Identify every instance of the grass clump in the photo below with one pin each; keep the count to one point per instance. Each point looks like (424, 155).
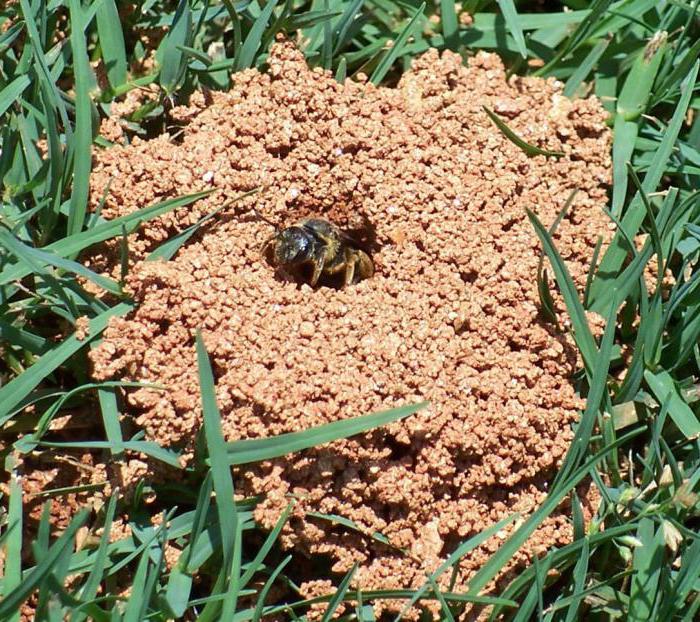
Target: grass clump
(638, 438)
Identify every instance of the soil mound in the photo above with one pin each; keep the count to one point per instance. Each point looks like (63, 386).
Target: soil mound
(451, 315)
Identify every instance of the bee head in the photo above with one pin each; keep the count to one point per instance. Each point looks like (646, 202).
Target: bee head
(293, 246)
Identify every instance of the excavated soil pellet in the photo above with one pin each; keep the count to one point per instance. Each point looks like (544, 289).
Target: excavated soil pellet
(451, 315)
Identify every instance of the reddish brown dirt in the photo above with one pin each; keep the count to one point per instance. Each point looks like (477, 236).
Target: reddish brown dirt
(451, 315)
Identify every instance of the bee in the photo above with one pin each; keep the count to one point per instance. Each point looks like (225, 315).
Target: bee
(315, 248)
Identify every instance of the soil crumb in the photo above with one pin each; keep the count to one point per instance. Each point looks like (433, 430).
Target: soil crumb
(451, 315)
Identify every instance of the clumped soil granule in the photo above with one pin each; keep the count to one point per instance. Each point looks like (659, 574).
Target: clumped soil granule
(451, 315)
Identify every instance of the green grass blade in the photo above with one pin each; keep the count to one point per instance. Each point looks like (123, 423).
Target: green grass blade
(266, 547)
(346, 20)
(235, 20)
(397, 48)
(194, 53)
(198, 520)
(691, 613)
(48, 217)
(169, 248)
(73, 244)
(179, 587)
(154, 574)
(637, 88)
(82, 152)
(12, 92)
(339, 594)
(579, 575)
(111, 42)
(630, 105)
(444, 606)
(528, 604)
(581, 73)
(679, 72)
(110, 419)
(309, 19)
(685, 582)
(234, 576)
(546, 298)
(327, 45)
(178, 590)
(598, 388)
(12, 600)
(43, 536)
(336, 519)
(634, 215)
(587, 21)
(258, 611)
(145, 543)
(647, 565)
(254, 450)
(60, 292)
(683, 341)
(24, 339)
(653, 230)
(582, 332)
(341, 73)
(89, 590)
(514, 26)
(136, 603)
(663, 388)
(591, 272)
(10, 35)
(450, 25)
(13, 549)
(150, 448)
(250, 46)
(624, 137)
(40, 259)
(220, 469)
(18, 388)
(529, 149)
(577, 516)
(28, 442)
(37, 50)
(172, 59)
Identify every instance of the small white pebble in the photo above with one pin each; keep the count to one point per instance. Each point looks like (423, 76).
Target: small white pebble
(208, 176)
(338, 151)
(294, 193)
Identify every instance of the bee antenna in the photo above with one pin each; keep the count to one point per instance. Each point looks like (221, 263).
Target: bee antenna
(259, 216)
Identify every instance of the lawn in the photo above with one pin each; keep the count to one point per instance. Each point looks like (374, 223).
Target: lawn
(65, 63)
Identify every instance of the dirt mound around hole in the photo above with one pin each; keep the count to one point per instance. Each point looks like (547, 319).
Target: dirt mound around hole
(451, 315)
